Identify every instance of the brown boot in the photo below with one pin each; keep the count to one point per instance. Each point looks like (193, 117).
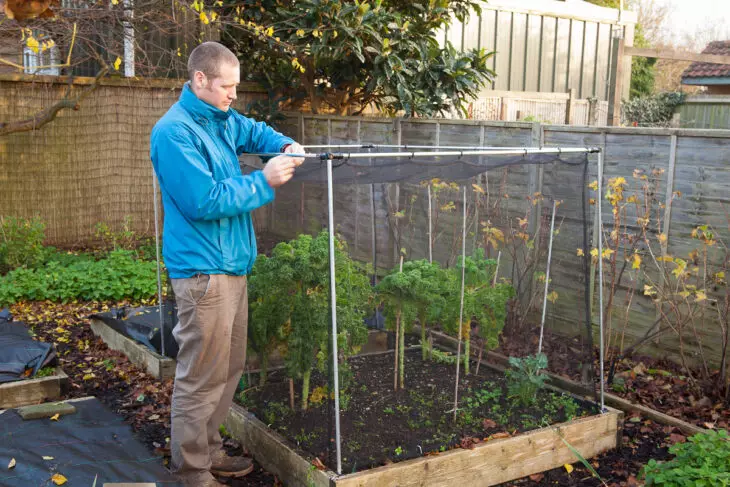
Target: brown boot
(230, 467)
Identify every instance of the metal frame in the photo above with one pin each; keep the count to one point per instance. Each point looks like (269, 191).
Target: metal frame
(453, 151)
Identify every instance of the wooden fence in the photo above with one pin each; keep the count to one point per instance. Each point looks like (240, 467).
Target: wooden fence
(705, 112)
(550, 108)
(690, 163)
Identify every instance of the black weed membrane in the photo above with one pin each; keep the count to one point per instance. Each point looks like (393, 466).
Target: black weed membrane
(21, 357)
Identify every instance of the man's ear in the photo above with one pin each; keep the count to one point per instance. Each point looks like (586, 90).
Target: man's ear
(201, 81)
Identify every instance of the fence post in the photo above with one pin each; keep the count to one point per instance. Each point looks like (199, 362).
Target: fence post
(667, 220)
(593, 111)
(616, 81)
(534, 185)
(570, 107)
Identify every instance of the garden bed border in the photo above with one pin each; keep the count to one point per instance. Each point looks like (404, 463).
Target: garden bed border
(157, 365)
(33, 391)
(488, 463)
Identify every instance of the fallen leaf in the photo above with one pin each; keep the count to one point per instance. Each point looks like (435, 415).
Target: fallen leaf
(153, 417)
(318, 464)
(488, 423)
(710, 426)
(677, 438)
(11, 464)
(568, 467)
(89, 376)
(58, 479)
(47, 458)
(536, 477)
(55, 417)
(497, 436)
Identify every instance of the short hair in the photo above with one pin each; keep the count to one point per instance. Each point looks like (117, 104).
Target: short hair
(208, 57)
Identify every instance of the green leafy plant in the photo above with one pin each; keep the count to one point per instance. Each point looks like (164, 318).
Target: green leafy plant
(483, 303)
(526, 377)
(404, 292)
(340, 56)
(432, 301)
(116, 277)
(304, 289)
(651, 110)
(704, 460)
(21, 242)
(271, 300)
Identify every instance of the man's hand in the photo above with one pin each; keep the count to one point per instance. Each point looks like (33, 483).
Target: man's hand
(280, 169)
(295, 149)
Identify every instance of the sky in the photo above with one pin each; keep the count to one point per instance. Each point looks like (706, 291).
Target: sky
(689, 17)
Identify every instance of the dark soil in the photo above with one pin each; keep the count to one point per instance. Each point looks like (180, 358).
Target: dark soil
(657, 383)
(380, 426)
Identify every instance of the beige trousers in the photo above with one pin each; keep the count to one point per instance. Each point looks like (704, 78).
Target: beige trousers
(211, 335)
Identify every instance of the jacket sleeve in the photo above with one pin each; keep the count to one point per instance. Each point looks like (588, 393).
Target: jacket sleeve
(252, 136)
(184, 174)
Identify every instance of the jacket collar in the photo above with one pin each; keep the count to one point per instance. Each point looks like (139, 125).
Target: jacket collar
(200, 110)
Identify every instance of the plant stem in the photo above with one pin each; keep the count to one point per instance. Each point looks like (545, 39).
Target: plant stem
(467, 347)
(291, 394)
(401, 346)
(424, 346)
(397, 348)
(305, 388)
(264, 367)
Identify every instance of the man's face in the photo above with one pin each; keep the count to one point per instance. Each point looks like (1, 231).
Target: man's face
(221, 91)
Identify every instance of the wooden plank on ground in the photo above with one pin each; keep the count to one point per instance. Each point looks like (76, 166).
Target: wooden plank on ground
(156, 364)
(47, 410)
(32, 391)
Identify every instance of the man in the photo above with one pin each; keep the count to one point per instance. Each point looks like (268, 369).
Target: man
(209, 248)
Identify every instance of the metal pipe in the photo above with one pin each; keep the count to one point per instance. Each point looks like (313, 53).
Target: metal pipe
(453, 153)
(157, 250)
(333, 306)
(600, 272)
(547, 277)
(461, 306)
(430, 226)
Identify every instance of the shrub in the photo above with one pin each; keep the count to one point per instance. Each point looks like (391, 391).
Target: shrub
(21, 242)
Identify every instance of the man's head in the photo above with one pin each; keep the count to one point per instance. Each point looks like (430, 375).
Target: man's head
(214, 74)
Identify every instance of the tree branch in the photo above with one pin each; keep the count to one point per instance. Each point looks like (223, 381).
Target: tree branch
(49, 114)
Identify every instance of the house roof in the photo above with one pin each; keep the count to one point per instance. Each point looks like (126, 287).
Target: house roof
(708, 70)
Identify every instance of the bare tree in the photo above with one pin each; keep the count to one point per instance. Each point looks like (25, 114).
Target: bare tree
(131, 38)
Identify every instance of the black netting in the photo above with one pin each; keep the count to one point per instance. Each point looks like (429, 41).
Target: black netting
(352, 168)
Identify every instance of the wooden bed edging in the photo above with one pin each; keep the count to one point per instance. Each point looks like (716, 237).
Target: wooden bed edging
(489, 463)
(33, 391)
(157, 365)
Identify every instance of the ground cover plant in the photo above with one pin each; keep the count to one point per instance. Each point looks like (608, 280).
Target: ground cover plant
(123, 267)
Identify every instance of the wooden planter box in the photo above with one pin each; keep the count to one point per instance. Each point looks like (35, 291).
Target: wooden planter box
(489, 463)
(33, 391)
(156, 365)
(164, 367)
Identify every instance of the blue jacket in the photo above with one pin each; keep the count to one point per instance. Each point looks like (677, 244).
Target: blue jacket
(207, 201)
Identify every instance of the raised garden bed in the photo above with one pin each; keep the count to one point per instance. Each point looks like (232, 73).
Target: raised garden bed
(33, 391)
(157, 365)
(410, 438)
(163, 367)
